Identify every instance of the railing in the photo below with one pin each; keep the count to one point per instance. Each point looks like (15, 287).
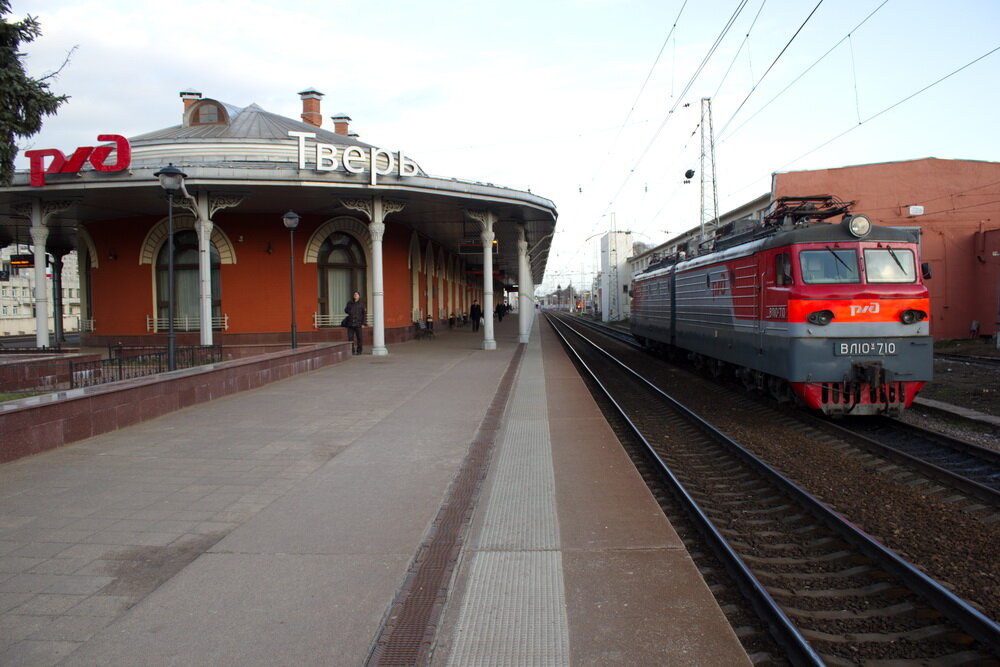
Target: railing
(185, 323)
(88, 325)
(126, 362)
(35, 350)
(321, 321)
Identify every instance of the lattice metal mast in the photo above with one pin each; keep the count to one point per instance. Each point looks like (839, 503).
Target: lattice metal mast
(709, 193)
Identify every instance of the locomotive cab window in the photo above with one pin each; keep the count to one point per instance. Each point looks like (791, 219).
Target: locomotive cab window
(890, 265)
(828, 266)
(782, 269)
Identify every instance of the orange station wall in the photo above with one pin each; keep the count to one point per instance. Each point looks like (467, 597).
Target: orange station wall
(961, 201)
(255, 289)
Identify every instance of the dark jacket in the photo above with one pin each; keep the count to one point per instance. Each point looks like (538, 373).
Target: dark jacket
(475, 311)
(355, 313)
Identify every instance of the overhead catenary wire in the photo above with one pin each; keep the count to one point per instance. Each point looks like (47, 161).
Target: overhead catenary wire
(770, 67)
(694, 77)
(724, 137)
(890, 107)
(642, 88)
(736, 55)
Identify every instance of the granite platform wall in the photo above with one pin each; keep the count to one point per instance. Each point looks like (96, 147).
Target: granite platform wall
(40, 423)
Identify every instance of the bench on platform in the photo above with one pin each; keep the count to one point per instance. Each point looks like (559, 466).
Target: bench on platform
(424, 329)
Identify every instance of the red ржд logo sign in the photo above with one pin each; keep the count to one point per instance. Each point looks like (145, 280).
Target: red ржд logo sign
(97, 155)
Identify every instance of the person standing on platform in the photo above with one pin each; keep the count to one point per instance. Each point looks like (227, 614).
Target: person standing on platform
(500, 310)
(356, 314)
(475, 314)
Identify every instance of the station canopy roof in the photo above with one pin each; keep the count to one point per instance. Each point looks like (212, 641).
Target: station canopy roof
(249, 152)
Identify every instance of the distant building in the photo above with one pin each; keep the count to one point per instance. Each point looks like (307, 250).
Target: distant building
(17, 295)
(615, 276)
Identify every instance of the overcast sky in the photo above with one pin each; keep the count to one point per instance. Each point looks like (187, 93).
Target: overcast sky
(584, 102)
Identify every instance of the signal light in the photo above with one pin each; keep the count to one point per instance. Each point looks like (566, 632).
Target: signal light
(911, 316)
(820, 317)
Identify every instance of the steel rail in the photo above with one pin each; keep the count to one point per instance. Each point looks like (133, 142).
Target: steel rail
(962, 613)
(933, 471)
(786, 634)
(969, 359)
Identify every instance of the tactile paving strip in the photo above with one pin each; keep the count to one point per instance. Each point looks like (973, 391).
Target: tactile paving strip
(407, 634)
(514, 609)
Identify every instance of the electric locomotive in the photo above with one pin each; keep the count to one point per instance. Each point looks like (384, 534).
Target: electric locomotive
(831, 315)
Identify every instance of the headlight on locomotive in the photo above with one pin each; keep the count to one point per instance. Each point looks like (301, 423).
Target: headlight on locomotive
(820, 317)
(858, 225)
(911, 316)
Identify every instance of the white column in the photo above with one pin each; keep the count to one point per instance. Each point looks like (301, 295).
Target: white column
(377, 230)
(204, 228)
(487, 220)
(203, 206)
(525, 289)
(39, 236)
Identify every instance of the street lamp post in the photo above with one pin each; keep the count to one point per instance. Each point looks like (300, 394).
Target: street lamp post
(291, 220)
(172, 180)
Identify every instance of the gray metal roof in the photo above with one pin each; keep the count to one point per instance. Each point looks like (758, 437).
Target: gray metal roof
(250, 122)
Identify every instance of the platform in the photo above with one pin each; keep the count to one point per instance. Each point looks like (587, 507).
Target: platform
(276, 526)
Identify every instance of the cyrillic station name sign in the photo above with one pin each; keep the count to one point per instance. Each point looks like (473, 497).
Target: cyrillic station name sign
(62, 165)
(353, 159)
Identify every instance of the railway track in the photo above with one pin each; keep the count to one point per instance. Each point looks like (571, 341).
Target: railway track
(960, 465)
(829, 593)
(990, 362)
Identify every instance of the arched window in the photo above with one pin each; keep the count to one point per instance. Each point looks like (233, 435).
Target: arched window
(186, 281)
(342, 271)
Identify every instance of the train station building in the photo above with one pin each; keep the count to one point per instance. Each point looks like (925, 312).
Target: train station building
(419, 248)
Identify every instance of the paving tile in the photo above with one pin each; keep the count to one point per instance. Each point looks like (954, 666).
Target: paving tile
(71, 628)
(40, 550)
(10, 601)
(17, 564)
(90, 551)
(29, 583)
(78, 584)
(101, 605)
(15, 627)
(60, 565)
(49, 604)
(38, 653)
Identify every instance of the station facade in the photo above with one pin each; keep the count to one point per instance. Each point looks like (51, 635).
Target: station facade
(417, 247)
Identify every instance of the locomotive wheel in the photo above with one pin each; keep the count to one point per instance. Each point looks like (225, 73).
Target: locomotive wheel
(716, 367)
(746, 377)
(779, 389)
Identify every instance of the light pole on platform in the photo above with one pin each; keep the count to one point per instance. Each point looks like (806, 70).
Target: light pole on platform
(291, 220)
(172, 180)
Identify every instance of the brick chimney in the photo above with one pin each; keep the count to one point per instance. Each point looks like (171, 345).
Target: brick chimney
(310, 106)
(340, 122)
(189, 96)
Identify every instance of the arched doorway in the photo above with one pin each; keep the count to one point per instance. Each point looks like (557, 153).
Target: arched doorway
(342, 271)
(187, 314)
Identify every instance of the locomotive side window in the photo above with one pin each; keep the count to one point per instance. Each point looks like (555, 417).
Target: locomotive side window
(783, 269)
(890, 265)
(820, 267)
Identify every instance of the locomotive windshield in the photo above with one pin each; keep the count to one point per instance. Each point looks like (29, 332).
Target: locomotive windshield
(821, 267)
(890, 265)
